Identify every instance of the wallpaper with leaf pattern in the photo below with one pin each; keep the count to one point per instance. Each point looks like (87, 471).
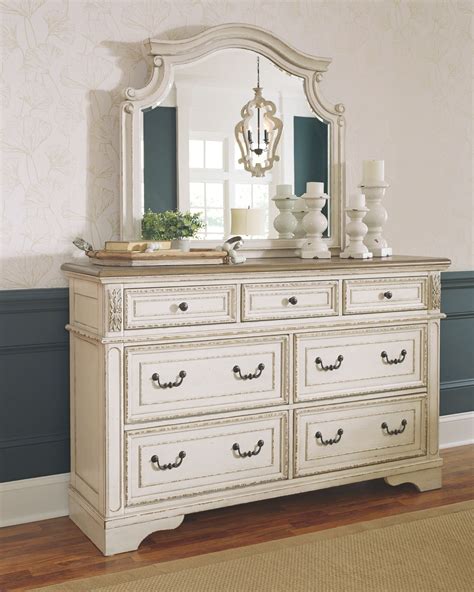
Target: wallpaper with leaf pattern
(402, 68)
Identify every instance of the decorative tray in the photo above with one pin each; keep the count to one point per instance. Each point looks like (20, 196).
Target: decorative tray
(162, 257)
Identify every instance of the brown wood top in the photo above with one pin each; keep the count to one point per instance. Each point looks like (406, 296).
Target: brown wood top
(265, 265)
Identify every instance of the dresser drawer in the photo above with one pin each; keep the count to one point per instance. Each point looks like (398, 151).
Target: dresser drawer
(205, 377)
(385, 295)
(342, 437)
(355, 362)
(192, 459)
(146, 308)
(289, 300)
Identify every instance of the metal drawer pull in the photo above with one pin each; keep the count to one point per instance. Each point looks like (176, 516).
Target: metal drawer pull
(175, 465)
(178, 382)
(254, 452)
(384, 426)
(331, 441)
(183, 306)
(388, 295)
(293, 300)
(399, 360)
(256, 374)
(337, 364)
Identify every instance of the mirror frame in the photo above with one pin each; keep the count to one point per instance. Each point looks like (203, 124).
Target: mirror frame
(166, 54)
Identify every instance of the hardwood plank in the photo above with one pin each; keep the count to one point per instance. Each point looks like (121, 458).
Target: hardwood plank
(55, 551)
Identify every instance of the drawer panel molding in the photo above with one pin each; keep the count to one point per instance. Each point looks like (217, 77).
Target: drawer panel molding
(180, 461)
(192, 378)
(359, 434)
(385, 295)
(362, 361)
(289, 300)
(147, 308)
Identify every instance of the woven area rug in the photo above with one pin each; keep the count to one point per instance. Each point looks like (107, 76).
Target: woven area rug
(422, 551)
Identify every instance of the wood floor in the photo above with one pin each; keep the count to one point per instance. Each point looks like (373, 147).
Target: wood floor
(53, 551)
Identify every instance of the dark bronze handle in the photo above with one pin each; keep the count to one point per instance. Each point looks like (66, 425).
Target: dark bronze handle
(384, 426)
(399, 360)
(178, 382)
(256, 374)
(183, 306)
(337, 364)
(388, 295)
(331, 441)
(175, 465)
(254, 452)
(293, 300)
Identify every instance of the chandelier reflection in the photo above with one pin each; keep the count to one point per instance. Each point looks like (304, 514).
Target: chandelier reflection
(258, 133)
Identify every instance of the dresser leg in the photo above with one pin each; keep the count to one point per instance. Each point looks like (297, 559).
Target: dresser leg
(128, 538)
(423, 480)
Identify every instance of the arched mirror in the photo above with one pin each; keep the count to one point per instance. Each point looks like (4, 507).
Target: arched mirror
(227, 116)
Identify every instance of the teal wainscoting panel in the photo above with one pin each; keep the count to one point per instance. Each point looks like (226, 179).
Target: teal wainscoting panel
(34, 391)
(457, 342)
(160, 165)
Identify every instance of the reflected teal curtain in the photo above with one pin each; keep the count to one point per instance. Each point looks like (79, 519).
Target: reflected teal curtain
(160, 159)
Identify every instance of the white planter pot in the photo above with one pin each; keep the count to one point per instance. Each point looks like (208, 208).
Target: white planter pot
(183, 244)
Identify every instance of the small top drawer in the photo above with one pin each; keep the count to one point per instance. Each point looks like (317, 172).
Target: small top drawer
(289, 300)
(146, 308)
(384, 295)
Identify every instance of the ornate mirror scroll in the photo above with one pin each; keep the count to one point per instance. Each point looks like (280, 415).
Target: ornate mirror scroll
(171, 130)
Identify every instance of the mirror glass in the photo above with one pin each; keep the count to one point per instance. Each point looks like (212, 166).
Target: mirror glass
(190, 152)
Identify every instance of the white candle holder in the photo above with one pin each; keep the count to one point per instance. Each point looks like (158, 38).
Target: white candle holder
(284, 223)
(299, 212)
(376, 218)
(314, 224)
(356, 230)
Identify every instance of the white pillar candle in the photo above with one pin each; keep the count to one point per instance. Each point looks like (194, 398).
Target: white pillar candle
(357, 201)
(247, 221)
(284, 190)
(373, 171)
(314, 188)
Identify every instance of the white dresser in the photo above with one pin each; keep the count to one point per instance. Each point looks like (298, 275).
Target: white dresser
(197, 387)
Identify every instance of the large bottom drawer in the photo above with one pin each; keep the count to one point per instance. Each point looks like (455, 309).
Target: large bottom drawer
(191, 459)
(346, 436)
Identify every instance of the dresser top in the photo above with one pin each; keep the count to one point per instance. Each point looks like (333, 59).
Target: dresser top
(266, 265)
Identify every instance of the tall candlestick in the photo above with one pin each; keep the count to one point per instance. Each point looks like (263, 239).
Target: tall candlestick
(315, 223)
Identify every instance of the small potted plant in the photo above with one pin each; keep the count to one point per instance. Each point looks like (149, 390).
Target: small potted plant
(172, 225)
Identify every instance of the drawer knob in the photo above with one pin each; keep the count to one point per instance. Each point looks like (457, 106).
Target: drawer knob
(331, 441)
(254, 452)
(388, 295)
(183, 306)
(178, 382)
(399, 360)
(256, 374)
(397, 431)
(175, 465)
(293, 300)
(337, 364)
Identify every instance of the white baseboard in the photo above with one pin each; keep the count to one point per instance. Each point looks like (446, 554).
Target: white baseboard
(47, 497)
(456, 430)
(34, 499)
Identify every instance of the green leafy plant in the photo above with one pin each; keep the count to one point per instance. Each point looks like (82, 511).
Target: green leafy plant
(170, 225)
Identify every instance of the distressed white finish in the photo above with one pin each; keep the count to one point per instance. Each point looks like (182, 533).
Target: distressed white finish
(121, 417)
(166, 54)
